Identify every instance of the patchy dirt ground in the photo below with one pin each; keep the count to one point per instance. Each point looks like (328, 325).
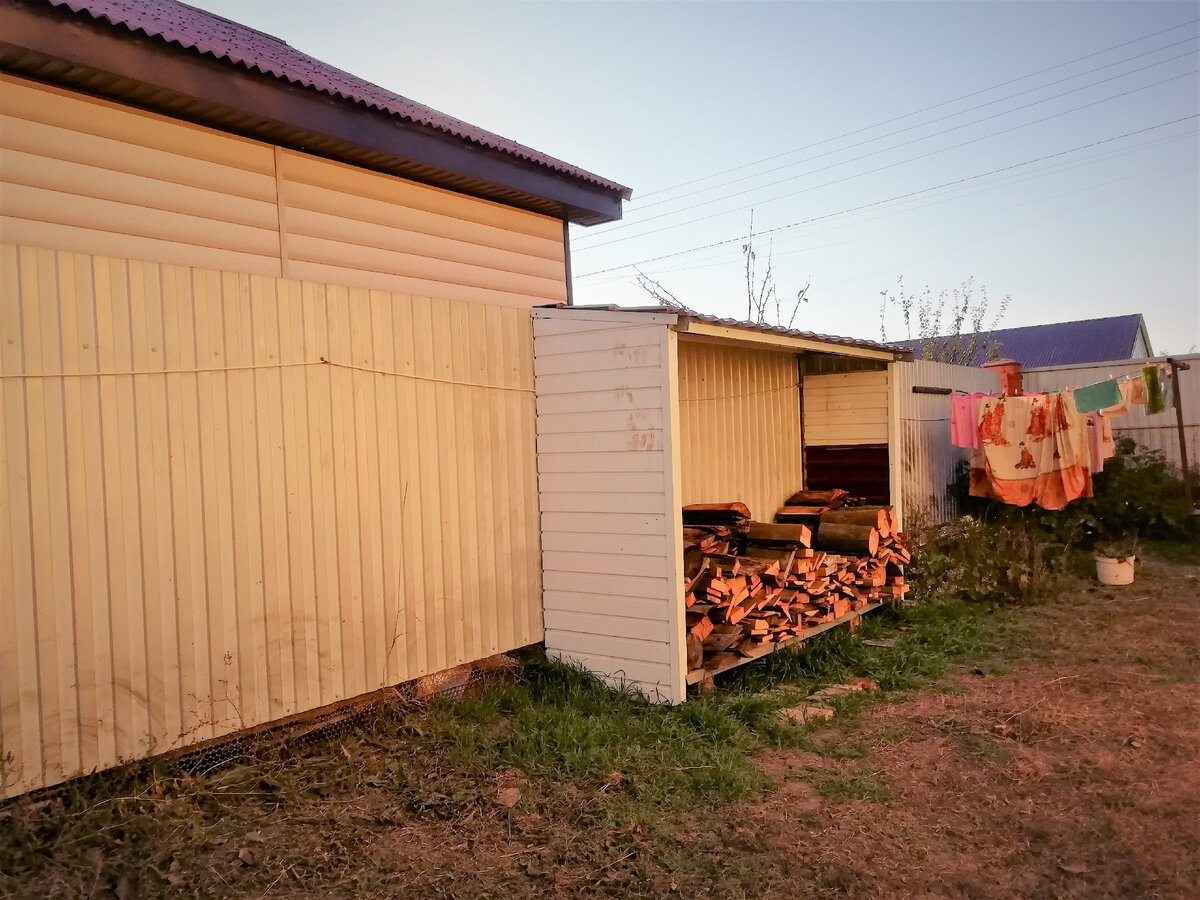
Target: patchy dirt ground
(1065, 765)
(1066, 768)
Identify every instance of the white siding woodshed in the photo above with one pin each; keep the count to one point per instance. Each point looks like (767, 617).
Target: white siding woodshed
(607, 420)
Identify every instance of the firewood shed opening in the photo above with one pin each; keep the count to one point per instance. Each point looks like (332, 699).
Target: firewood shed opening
(641, 412)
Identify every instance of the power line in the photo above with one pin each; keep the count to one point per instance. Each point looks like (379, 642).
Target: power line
(891, 165)
(917, 193)
(728, 254)
(640, 207)
(993, 234)
(909, 115)
(903, 231)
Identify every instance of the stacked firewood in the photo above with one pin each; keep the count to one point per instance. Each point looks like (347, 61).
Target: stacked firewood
(749, 585)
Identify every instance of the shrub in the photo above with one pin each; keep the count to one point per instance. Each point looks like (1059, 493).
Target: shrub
(1003, 560)
(1136, 496)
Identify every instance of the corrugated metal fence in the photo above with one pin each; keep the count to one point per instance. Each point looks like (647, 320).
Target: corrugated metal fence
(1158, 432)
(924, 453)
(228, 498)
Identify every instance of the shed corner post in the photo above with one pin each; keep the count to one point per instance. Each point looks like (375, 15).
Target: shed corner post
(677, 648)
(895, 462)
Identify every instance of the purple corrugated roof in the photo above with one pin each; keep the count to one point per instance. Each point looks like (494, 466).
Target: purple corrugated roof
(748, 326)
(212, 35)
(1060, 343)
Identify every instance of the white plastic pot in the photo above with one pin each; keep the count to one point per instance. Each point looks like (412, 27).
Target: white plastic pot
(1115, 571)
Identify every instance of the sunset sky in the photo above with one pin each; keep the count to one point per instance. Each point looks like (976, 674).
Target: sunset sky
(1049, 151)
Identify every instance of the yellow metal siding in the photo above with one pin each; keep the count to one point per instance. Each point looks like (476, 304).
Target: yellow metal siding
(739, 412)
(846, 408)
(206, 527)
(86, 175)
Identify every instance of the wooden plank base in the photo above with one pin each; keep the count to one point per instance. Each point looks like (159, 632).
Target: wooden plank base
(850, 618)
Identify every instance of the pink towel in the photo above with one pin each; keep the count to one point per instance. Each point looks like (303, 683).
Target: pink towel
(964, 429)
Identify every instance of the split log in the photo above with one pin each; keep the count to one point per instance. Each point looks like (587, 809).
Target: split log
(853, 539)
(784, 533)
(873, 518)
(729, 514)
(801, 514)
(832, 498)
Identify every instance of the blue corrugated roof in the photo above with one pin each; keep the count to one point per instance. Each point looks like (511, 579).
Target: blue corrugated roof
(1059, 343)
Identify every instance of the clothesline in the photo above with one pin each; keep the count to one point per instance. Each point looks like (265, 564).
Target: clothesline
(1044, 446)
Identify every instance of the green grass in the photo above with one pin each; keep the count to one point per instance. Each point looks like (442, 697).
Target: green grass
(579, 752)
(559, 725)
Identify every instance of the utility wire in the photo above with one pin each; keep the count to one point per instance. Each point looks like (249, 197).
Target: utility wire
(892, 165)
(729, 254)
(975, 215)
(925, 109)
(1172, 174)
(638, 208)
(876, 203)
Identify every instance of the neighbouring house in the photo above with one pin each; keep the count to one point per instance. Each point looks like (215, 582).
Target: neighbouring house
(266, 379)
(1059, 343)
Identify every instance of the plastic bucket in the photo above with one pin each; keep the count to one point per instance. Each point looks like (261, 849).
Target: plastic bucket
(1115, 571)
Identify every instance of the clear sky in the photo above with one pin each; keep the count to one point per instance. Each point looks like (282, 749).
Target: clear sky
(823, 114)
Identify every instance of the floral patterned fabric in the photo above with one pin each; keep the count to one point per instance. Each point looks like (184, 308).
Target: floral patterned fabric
(1032, 449)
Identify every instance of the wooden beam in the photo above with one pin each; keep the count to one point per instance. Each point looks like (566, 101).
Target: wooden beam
(751, 337)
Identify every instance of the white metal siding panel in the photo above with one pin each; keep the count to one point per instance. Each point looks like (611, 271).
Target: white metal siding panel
(846, 408)
(205, 527)
(739, 411)
(610, 517)
(926, 458)
(1157, 432)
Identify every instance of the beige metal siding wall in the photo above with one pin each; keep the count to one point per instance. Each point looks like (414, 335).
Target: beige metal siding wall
(1158, 432)
(611, 528)
(205, 526)
(739, 411)
(847, 408)
(922, 449)
(86, 175)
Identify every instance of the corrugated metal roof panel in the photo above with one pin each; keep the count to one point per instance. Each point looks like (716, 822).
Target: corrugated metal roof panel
(212, 35)
(752, 326)
(1059, 343)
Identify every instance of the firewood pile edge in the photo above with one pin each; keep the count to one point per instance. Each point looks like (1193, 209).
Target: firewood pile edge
(749, 586)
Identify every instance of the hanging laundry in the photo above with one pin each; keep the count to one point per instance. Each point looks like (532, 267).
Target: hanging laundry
(1101, 445)
(1155, 401)
(1130, 389)
(1168, 388)
(964, 420)
(1033, 449)
(1102, 395)
(1137, 390)
(991, 422)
